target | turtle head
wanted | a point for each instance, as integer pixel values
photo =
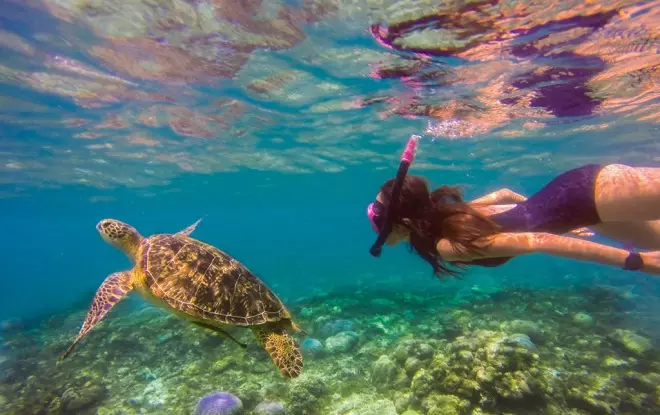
(120, 235)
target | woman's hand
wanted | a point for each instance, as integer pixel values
(583, 232)
(500, 197)
(651, 262)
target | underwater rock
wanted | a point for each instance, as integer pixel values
(269, 408)
(588, 404)
(583, 319)
(147, 374)
(330, 328)
(631, 341)
(413, 348)
(278, 388)
(625, 392)
(305, 394)
(412, 365)
(311, 347)
(422, 383)
(467, 295)
(6, 367)
(611, 361)
(590, 396)
(154, 396)
(458, 320)
(249, 393)
(219, 403)
(382, 303)
(620, 298)
(307, 312)
(342, 342)
(437, 404)
(650, 381)
(225, 363)
(77, 399)
(11, 324)
(402, 400)
(380, 407)
(314, 385)
(409, 315)
(522, 340)
(527, 327)
(483, 366)
(362, 404)
(54, 407)
(424, 351)
(383, 372)
(165, 337)
(388, 325)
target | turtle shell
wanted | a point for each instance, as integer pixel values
(204, 282)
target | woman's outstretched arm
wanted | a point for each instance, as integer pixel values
(515, 244)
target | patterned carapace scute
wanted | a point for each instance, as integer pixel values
(202, 281)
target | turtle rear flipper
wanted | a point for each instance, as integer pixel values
(298, 329)
(114, 288)
(190, 229)
(282, 348)
(219, 331)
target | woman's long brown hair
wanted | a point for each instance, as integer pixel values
(436, 215)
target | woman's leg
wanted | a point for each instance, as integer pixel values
(628, 194)
(641, 235)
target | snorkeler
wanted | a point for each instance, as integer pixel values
(615, 200)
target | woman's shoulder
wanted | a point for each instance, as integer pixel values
(490, 210)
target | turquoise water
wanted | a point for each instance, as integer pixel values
(276, 122)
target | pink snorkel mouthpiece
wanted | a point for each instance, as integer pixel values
(371, 215)
(409, 153)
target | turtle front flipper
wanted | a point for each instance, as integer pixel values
(114, 288)
(190, 229)
(282, 348)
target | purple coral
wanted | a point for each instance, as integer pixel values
(219, 403)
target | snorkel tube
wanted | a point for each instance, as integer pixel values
(391, 211)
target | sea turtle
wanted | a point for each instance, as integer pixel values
(198, 282)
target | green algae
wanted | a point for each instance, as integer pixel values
(632, 342)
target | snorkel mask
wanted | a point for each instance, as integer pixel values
(381, 216)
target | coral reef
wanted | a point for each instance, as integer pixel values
(515, 351)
